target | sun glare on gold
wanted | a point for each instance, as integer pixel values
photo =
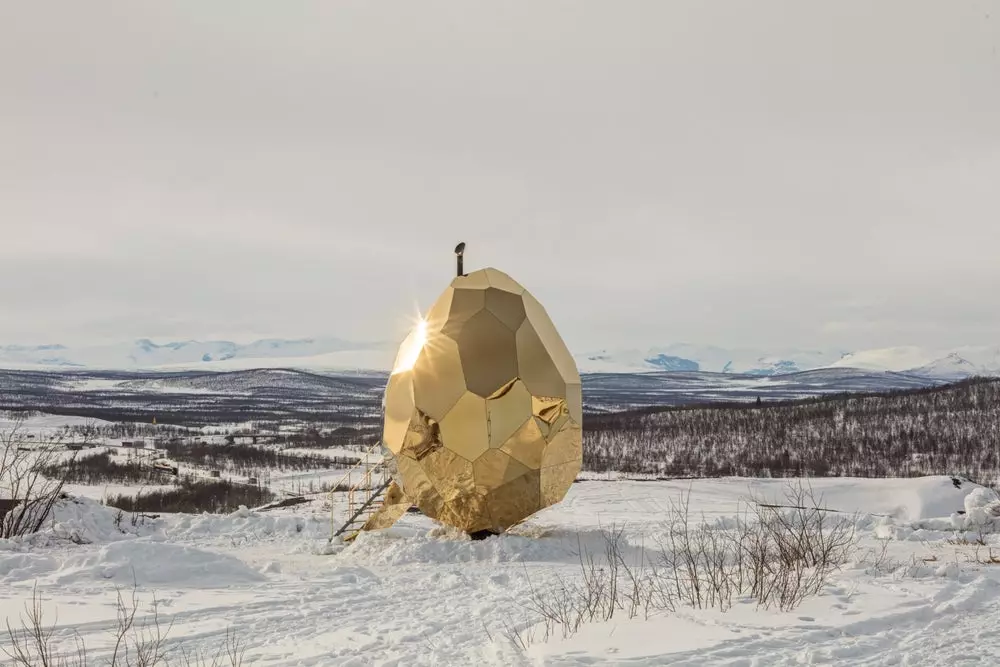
(409, 350)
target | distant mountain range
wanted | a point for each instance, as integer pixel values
(943, 364)
(337, 354)
(144, 354)
(685, 357)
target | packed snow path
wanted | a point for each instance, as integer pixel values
(421, 595)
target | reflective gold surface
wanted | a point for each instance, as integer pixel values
(483, 420)
(395, 506)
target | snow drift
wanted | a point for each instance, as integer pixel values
(153, 563)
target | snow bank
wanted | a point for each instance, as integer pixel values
(155, 563)
(245, 523)
(907, 499)
(16, 567)
(982, 508)
(143, 561)
(944, 520)
(86, 521)
(939, 496)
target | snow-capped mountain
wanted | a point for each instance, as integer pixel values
(145, 354)
(944, 364)
(337, 354)
(889, 358)
(951, 366)
(954, 363)
(685, 357)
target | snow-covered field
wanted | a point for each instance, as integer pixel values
(47, 432)
(918, 591)
(44, 426)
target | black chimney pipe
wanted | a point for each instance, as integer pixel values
(460, 256)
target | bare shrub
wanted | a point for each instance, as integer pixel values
(989, 558)
(192, 496)
(137, 642)
(774, 555)
(878, 561)
(801, 546)
(229, 654)
(27, 492)
(32, 644)
(521, 634)
(100, 468)
(697, 562)
(244, 459)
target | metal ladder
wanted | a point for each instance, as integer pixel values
(364, 496)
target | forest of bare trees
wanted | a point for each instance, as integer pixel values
(948, 430)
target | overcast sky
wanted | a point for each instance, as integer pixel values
(777, 174)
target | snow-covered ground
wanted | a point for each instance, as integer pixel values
(419, 594)
(47, 431)
(46, 426)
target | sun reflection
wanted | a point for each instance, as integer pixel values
(410, 348)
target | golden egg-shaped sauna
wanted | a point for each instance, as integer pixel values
(483, 410)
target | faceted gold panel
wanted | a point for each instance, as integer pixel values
(495, 468)
(507, 307)
(488, 353)
(552, 414)
(394, 507)
(527, 444)
(464, 304)
(555, 482)
(535, 366)
(477, 280)
(501, 280)
(450, 474)
(515, 500)
(398, 409)
(483, 412)
(463, 429)
(549, 408)
(506, 411)
(417, 486)
(574, 401)
(422, 437)
(553, 343)
(438, 379)
(470, 513)
(565, 447)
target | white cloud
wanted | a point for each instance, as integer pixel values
(733, 173)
